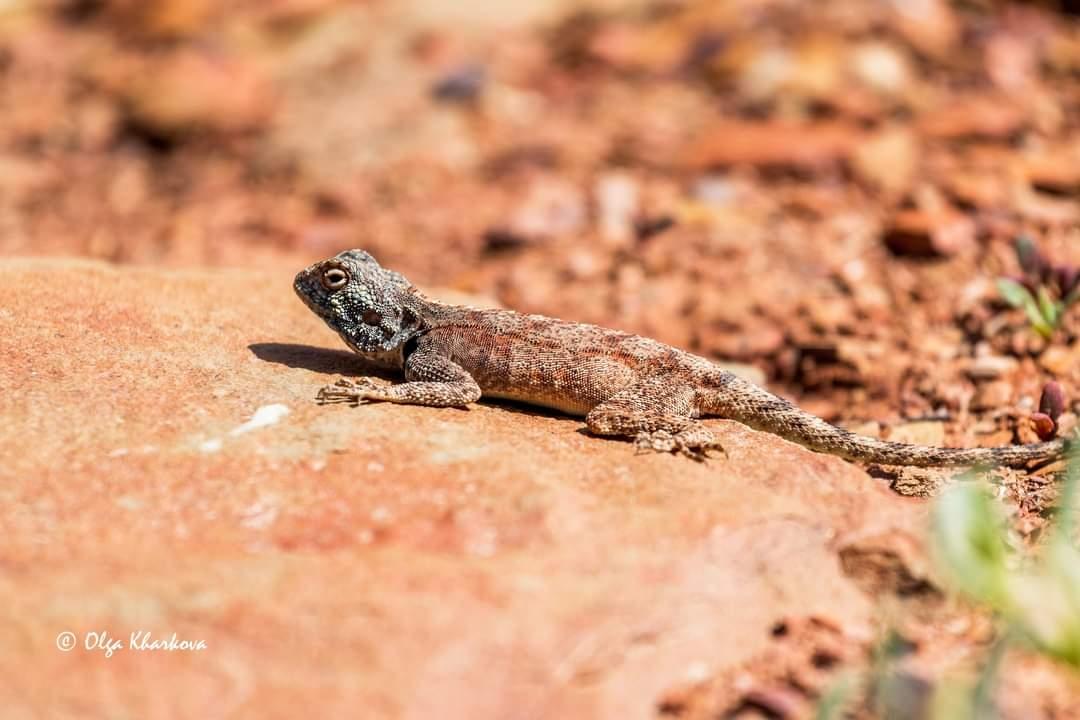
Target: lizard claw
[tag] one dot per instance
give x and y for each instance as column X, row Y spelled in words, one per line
column 346, row 391
column 692, row 443
column 655, row 441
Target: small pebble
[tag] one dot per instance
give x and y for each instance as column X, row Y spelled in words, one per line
column 991, row 367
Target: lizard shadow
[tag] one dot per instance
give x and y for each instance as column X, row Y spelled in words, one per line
column 319, row 360
column 349, row 364
column 523, row 408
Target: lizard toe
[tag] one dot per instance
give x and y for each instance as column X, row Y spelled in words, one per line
column 346, row 391
column 696, row 442
column 656, row 441
column 332, row 394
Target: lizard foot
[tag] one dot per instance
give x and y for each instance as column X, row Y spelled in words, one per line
column 694, row 442
column 347, row 391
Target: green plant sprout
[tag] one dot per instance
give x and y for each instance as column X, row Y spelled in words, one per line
column 1036, row 597
column 1044, row 291
column 1039, row 599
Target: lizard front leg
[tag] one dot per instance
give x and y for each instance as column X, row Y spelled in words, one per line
column 658, row 414
column 431, row 379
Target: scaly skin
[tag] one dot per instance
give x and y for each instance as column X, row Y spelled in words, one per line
column 624, row 385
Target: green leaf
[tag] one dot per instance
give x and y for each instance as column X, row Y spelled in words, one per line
column 969, row 542
column 1061, row 565
column 1019, row 296
column 1043, row 606
column 1044, row 599
column 982, row 697
column 1041, row 327
column 1048, row 308
column 1039, row 598
column 1068, row 505
column 953, row 700
column 1013, row 292
column 837, row 698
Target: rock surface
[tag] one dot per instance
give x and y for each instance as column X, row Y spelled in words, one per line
column 381, row 561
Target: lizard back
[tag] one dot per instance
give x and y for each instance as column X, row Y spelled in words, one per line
column 572, row 367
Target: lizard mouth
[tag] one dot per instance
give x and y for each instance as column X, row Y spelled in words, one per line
column 301, row 287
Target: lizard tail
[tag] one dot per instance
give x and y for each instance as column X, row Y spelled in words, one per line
column 737, row 399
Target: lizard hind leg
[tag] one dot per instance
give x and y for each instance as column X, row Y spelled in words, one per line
column 657, row 416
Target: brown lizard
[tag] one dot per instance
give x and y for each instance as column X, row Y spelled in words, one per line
column 623, row 384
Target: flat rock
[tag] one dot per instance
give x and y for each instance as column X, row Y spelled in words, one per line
column 165, row 470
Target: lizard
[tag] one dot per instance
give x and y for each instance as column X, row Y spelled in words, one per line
column 625, row 385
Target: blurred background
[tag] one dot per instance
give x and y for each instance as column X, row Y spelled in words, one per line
column 825, row 190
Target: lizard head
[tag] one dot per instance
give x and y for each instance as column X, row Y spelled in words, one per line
column 369, row 306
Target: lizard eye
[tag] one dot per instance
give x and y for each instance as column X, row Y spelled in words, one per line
column 334, row 278
column 371, row 317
